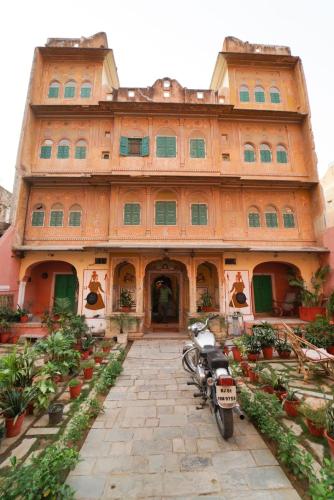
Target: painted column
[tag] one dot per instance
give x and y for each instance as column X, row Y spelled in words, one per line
column 192, row 268
column 21, row 295
column 139, row 286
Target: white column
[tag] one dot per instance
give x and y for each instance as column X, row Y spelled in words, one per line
column 22, row 292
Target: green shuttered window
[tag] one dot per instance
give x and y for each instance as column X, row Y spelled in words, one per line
column 166, row 147
column 281, row 157
column 288, row 220
column 53, row 92
column 85, row 91
column 271, row 219
column 265, row 156
column 199, row 214
column 133, row 146
column 259, row 96
column 132, row 214
column 249, row 155
column 165, row 213
column 244, row 96
column 56, row 218
column 254, row 219
column 75, row 219
column 275, row 97
column 80, row 152
column 69, row 92
column 45, row 152
column 197, row 148
column 38, row 218
column 63, row 152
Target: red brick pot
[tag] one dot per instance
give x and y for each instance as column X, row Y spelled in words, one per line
column 4, row 337
column 268, row 389
column 253, row 357
column 98, row 360
column 14, row 429
column 24, row 318
column 330, row 441
column 88, row 373
column 253, row 377
column 75, row 391
column 280, row 393
column 106, row 349
column 267, row 352
column 315, row 431
column 330, row 349
column 244, row 366
column 85, row 355
column 284, row 354
column 310, row 313
column 236, row 353
column 291, row 407
column 14, row 339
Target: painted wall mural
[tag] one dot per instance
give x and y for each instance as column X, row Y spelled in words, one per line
column 94, row 292
column 237, row 292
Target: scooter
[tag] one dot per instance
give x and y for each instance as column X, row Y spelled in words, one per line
column 209, row 368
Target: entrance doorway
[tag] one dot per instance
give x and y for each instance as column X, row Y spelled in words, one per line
column 263, row 293
column 65, row 287
column 165, row 299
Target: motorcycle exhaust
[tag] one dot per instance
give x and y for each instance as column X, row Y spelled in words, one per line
column 237, row 410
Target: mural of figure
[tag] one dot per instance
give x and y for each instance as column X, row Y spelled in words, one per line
column 238, row 298
column 94, row 298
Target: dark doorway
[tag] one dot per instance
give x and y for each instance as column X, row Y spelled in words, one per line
column 263, row 294
column 65, row 286
column 172, row 313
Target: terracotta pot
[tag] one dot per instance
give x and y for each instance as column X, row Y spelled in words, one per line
column 310, row 313
column 253, row 357
column 253, row 377
column 125, row 309
column 98, row 360
column 280, row 393
column 88, row 373
column 24, row 318
column 85, row 354
column 330, row 441
column 244, row 366
column 284, row 354
column 106, row 349
column 268, row 389
column 30, row 409
column 14, row 339
column 291, row 407
column 267, row 352
column 14, row 429
column 236, row 354
column 315, row 431
column 226, row 350
column 4, row 337
column 330, row 349
column 75, row 391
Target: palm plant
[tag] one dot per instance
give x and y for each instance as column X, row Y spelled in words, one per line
column 311, row 298
column 13, row 402
column 274, row 378
column 18, row 369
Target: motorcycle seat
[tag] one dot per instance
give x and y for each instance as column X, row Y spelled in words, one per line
column 207, row 349
column 217, row 359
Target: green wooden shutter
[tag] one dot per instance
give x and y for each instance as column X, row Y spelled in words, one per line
column 259, row 97
column 244, row 96
column 166, row 147
column 63, row 152
column 75, row 219
column 80, row 152
column 45, row 152
column 161, row 147
column 165, row 213
column 53, row 92
column 160, row 213
column 281, row 157
column 275, row 97
column 69, row 92
column 56, row 218
column 132, row 214
column 145, row 146
column 289, row 220
column 199, row 214
column 171, row 147
column 265, row 156
column 197, row 148
column 85, row 91
column 253, row 219
column 271, row 219
column 249, row 155
column 171, row 213
column 37, row 218
column 124, row 146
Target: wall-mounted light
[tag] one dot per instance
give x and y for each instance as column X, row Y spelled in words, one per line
column 44, row 276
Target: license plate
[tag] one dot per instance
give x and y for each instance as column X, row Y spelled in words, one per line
column 226, row 396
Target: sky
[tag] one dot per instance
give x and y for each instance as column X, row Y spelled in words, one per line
column 177, row 38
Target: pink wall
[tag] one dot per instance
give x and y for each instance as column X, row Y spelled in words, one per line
column 329, row 259
column 9, row 265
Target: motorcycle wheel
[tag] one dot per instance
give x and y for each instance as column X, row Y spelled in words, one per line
column 224, row 419
column 191, row 360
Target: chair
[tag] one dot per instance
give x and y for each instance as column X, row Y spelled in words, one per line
column 308, row 355
column 286, row 307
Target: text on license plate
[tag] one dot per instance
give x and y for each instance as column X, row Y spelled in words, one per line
column 226, row 395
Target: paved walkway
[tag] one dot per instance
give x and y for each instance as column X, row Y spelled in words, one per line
column 151, row 442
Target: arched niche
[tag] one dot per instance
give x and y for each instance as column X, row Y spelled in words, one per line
column 207, row 287
column 124, row 281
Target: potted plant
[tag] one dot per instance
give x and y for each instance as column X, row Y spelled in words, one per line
column 24, row 314
column 206, row 302
column 44, row 389
column 106, row 345
column 55, row 412
column 252, row 347
column 275, row 382
column 283, row 348
column 317, row 332
column 2, row 431
column 75, row 388
column 13, row 405
column 311, row 299
column 291, row 403
column 126, row 301
column 98, row 357
column 329, row 431
column 252, row 373
column 4, row 331
column 238, row 349
column 88, row 368
column 315, row 418
column 266, row 336
column 87, row 346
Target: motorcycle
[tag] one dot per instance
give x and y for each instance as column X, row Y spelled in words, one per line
column 211, row 374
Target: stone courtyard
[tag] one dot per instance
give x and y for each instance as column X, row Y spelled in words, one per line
column 152, row 442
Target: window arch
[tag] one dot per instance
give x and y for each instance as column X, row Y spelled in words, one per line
column 74, row 217
column 244, row 93
column 259, row 94
column 271, row 217
column 54, row 88
column 69, row 89
column 249, row 153
column 197, row 147
column 288, row 218
column 254, row 217
column 265, row 153
column 86, row 89
column 80, row 150
column 46, row 149
column 275, row 96
column 281, row 154
column 38, row 215
column 56, row 215
column 63, row 150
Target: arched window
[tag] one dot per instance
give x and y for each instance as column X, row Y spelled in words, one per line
column 275, row 96
column 197, row 148
column 259, row 94
column 46, row 149
column 38, row 215
column 244, row 93
column 56, row 215
column 80, row 150
column 254, row 217
column 54, row 89
column 74, row 218
column 69, row 89
column 281, row 154
column 86, row 89
column 288, row 218
column 63, row 149
column 249, row 153
column 265, row 153
column 271, row 217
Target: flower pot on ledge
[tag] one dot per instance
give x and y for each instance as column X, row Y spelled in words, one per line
column 310, row 313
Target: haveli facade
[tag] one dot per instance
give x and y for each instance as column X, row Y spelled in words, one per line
column 213, row 191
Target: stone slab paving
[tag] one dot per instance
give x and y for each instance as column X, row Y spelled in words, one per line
column 152, row 443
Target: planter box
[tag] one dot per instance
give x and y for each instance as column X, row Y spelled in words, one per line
column 310, row 313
